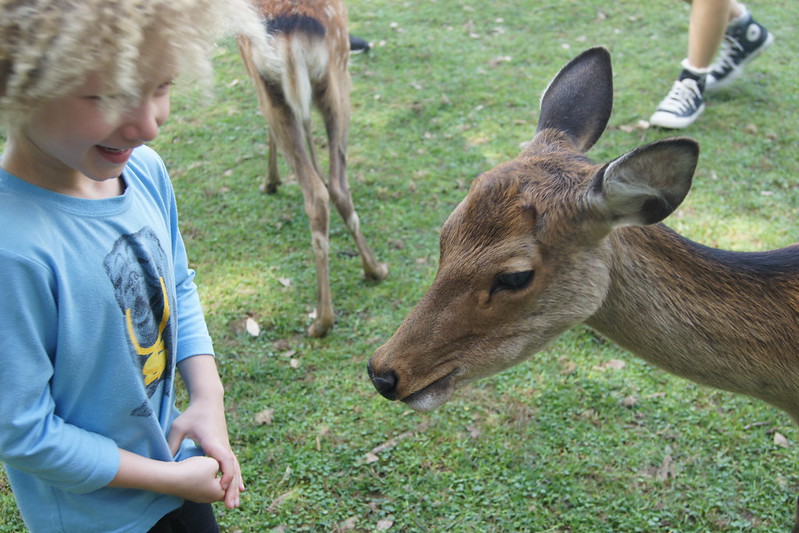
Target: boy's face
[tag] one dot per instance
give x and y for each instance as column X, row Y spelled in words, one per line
column 72, row 133
column 71, row 146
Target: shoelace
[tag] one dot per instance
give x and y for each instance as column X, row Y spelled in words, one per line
column 730, row 47
column 681, row 98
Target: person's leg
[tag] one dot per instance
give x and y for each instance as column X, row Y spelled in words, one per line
column 736, row 9
column 191, row 517
column 709, row 19
column 685, row 102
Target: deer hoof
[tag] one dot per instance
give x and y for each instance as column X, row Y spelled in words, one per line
column 318, row 329
column 379, row 274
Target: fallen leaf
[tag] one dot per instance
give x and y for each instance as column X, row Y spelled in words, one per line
column 615, row 364
column 629, row 401
column 780, row 440
column 383, row 525
column 281, row 345
column 566, row 366
column 286, row 282
column 264, row 417
column 667, row 469
column 294, row 363
column 640, row 125
column 324, row 431
column 371, row 456
column 496, row 61
column 277, row 502
column 348, row 524
column 252, row 326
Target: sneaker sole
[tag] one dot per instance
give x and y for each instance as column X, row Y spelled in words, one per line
column 736, row 72
column 671, row 121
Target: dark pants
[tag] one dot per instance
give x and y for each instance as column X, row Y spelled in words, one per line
column 189, row 518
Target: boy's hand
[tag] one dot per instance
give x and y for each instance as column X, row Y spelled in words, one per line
column 196, row 480
column 204, row 422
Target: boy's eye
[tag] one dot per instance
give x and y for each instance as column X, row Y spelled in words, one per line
column 101, row 97
column 164, row 87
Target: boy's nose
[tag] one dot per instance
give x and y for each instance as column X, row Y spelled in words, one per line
column 144, row 122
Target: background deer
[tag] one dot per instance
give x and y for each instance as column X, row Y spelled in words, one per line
column 551, row 239
column 308, row 66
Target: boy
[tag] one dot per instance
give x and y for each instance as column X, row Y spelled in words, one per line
column 97, row 303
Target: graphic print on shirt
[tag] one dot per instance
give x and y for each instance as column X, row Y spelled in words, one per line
column 137, row 269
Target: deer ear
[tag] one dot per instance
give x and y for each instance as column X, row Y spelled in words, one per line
column 646, row 185
column 579, row 99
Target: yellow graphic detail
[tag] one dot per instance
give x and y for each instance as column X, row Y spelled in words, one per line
column 155, row 354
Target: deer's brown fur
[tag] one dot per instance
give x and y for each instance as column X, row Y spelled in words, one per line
column 551, row 239
column 308, row 67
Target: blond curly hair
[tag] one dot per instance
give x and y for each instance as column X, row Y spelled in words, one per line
column 49, row 47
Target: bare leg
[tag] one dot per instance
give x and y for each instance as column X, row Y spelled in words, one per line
column 709, row 19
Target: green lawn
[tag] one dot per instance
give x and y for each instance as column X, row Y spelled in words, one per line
column 563, row 442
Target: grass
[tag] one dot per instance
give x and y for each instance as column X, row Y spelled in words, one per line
column 563, row 442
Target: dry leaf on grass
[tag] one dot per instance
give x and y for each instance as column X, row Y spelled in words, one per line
column 348, row 524
column 385, row 524
column 667, row 469
column 280, row 500
column 264, row 417
column 252, row 326
column 474, row 431
column 613, row 364
column 371, row 456
column 567, row 366
column 780, row 440
column 629, row 401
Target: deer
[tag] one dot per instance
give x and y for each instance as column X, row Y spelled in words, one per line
column 306, row 66
column 551, row 239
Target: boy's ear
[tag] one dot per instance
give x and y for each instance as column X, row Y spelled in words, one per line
column 646, row 185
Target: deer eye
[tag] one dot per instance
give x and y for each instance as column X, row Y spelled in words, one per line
column 513, row 281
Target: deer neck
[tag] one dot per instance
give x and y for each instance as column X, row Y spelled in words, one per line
column 724, row 319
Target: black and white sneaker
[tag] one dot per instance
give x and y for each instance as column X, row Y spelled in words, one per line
column 744, row 41
column 682, row 106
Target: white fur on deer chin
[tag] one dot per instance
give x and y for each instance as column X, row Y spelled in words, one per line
column 434, row 395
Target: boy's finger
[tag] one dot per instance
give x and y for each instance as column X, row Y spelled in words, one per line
column 173, row 440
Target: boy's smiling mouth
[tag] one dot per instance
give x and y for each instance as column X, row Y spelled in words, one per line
column 113, row 150
column 115, row 156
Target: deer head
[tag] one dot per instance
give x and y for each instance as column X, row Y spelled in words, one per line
column 525, row 255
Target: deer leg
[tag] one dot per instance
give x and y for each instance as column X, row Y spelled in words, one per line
column 316, row 206
column 289, row 134
column 311, row 148
column 272, row 181
column 316, row 201
column 335, row 109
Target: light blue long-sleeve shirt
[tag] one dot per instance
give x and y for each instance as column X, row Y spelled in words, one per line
column 97, row 305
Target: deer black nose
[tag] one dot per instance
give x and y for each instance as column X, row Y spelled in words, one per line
column 384, row 382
